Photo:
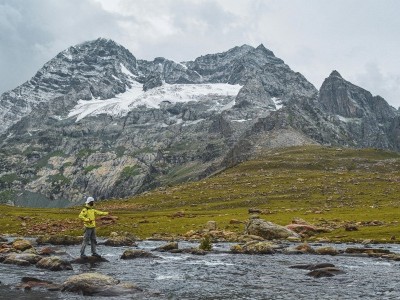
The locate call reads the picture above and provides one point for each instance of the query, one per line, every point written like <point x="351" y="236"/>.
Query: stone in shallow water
<point x="133" y="254"/>
<point x="28" y="283"/>
<point x="312" y="266"/>
<point x="59" y="240"/>
<point x="17" y="258"/>
<point x="89" y="259"/>
<point x="118" y="241"/>
<point x="90" y="284"/>
<point x="21" y="245"/>
<point x="325" y="272"/>
<point x="54" y="263"/>
<point x="167" y="247"/>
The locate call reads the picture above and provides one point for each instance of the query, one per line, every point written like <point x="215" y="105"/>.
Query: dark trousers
<point x="89" y="236"/>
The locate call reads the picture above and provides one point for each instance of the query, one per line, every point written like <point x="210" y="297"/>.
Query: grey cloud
<point x="312" y="36"/>
<point x="33" y="32"/>
<point x="379" y="83"/>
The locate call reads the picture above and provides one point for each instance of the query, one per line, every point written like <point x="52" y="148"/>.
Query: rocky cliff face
<point x="366" y="119"/>
<point x="95" y="120"/>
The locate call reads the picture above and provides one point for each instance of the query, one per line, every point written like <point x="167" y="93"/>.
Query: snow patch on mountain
<point x="122" y="103"/>
<point x="126" y="71"/>
<point x="278" y="103"/>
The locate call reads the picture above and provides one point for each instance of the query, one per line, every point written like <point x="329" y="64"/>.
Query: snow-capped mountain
<point x="96" y="120"/>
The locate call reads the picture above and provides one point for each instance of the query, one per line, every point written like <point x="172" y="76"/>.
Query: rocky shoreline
<point x="267" y="239"/>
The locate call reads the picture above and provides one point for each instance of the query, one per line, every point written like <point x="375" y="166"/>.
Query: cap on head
<point x="89" y="199"/>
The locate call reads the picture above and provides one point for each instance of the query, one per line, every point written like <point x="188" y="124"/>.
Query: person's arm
<point x="100" y="213"/>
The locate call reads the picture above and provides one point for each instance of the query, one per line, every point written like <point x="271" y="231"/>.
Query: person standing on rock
<point x="88" y="215"/>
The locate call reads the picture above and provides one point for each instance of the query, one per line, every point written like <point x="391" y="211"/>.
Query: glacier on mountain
<point x="134" y="96"/>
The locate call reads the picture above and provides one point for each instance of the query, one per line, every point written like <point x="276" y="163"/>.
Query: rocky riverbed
<point x="180" y="271"/>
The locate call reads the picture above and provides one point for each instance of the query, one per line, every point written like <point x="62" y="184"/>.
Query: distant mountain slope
<point x="96" y="120"/>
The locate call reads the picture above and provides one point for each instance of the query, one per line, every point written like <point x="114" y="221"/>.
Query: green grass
<point x="318" y="184"/>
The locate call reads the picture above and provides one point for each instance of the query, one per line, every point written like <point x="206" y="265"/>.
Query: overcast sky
<point x="358" y="38"/>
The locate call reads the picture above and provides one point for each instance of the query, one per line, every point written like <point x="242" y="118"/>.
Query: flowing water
<point x="222" y="276"/>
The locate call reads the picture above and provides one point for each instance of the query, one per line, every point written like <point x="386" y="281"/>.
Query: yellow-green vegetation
<point x="327" y="187"/>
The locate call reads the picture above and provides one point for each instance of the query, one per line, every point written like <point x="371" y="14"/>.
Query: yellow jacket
<point x="88" y="215"/>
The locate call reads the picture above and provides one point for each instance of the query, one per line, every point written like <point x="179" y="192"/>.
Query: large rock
<point x="303" y="229"/>
<point x="255" y="247"/>
<point x="268" y="230"/>
<point x="326" y="251"/>
<point x="89" y="284"/>
<point x="54" y="263"/>
<point x="211" y="225"/>
<point x="21" y="245"/>
<point x="133" y="254"/>
<point x="312" y="266"/>
<point x="59" y="240"/>
<point x="28" y="283"/>
<point x="167" y="247"/>
<point x="325" y="272"/>
<point x="89" y="260"/>
<point x="118" y="241"/>
<point x="22" y="259"/>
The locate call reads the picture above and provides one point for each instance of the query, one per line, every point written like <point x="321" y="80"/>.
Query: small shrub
<point x="58" y="179"/>
<point x="129" y="171"/>
<point x="120" y="151"/>
<point x="8" y="178"/>
<point x="6" y="195"/>
<point x="89" y="169"/>
<point x="84" y="153"/>
<point x="206" y="244"/>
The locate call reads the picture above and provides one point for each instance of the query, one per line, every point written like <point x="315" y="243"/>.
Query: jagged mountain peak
<point x="268" y="52"/>
<point x="335" y="73"/>
<point x="350" y="102"/>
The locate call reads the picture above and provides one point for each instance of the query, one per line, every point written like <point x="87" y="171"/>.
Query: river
<point x="222" y="275"/>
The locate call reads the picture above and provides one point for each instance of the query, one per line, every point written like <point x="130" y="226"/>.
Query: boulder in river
<point x="305" y="248"/>
<point x="370" y="251"/>
<point x="326" y="251"/>
<point x="47" y="251"/>
<point x="133" y="254"/>
<point x="89" y="260"/>
<point x="325" y="272"/>
<point x="59" y="240"/>
<point x="90" y="284"/>
<point x="118" y="241"/>
<point x="22" y="259"/>
<point x="312" y="266"/>
<point x="255" y="247"/>
<point x="54" y="263"/>
<point x="167" y="247"/>
<point x="10" y="260"/>
<point x="28" y="283"/>
<point x="22" y="245"/>
<point x="268" y="230"/>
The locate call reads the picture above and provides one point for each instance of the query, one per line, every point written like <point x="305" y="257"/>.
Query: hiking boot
<point x="83" y="256"/>
<point x="96" y="255"/>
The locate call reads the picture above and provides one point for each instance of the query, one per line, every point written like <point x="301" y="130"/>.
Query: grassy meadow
<point x="327" y="187"/>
